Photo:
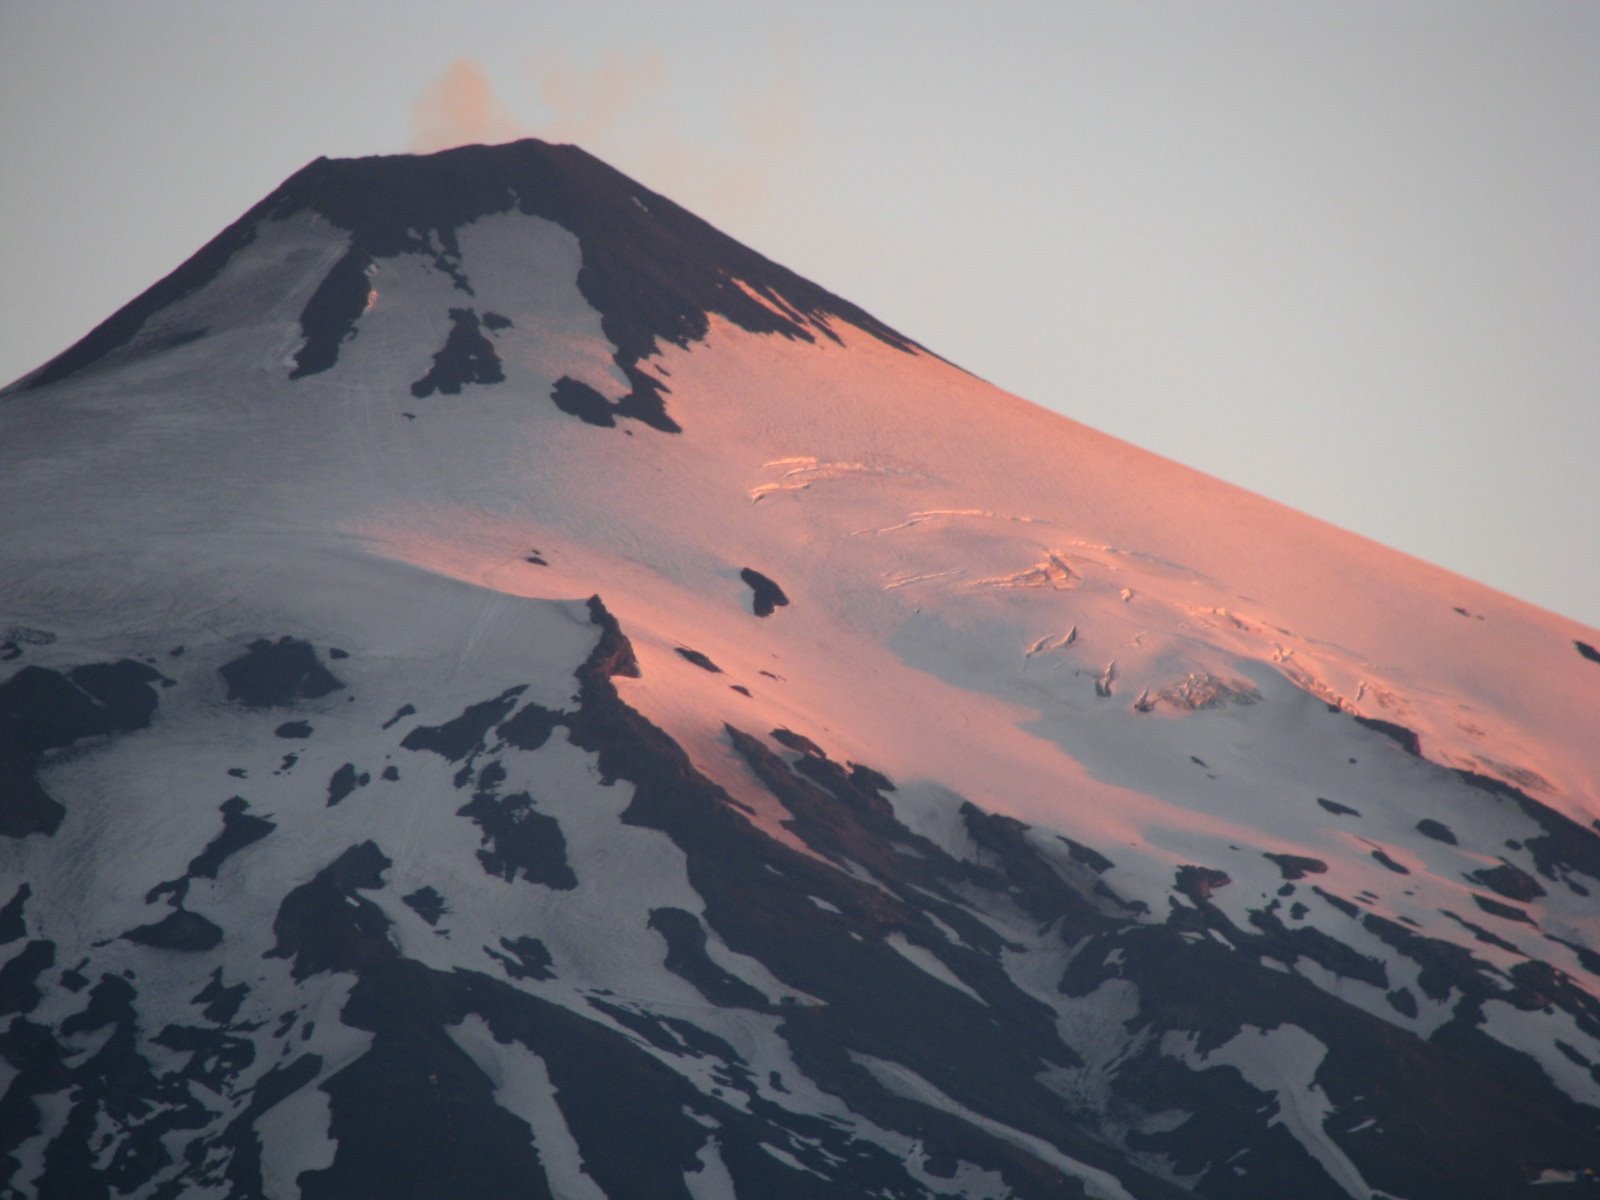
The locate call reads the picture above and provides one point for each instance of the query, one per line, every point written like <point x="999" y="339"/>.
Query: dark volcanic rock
<point x="1033" y="882"/>
<point x="686" y="957"/>
<point x="810" y="948"/>
<point x="520" y="840"/>
<point x="1287" y="945"/>
<point x="239" y="829"/>
<point x="1088" y="856"/>
<point x="525" y="958"/>
<point x="25" y="807"/>
<point x="1402" y="1001"/>
<point x="530" y="727"/>
<point x="1385" y="860"/>
<point x="1563" y="846"/>
<point x="1511" y="882"/>
<point x="1339" y="902"/>
<point x="1297" y="866"/>
<point x="1406" y="739"/>
<point x="179" y="930"/>
<point x="1337" y="809"/>
<point x="1509" y="912"/>
<point x="324" y="925"/>
<point x="1437" y="830"/>
<point x="12" y="926"/>
<point x="466" y="357"/>
<point x="19" y="977"/>
<point x="804" y="980"/>
<point x="768" y="595"/>
<point x="797" y="741"/>
<point x="578" y="399"/>
<point x="278" y="673"/>
<point x="698" y="659"/>
<point x="329" y="317"/>
<point x="426" y="903"/>
<point x="221" y="1002"/>
<point x="405" y="710"/>
<point x="42" y="710"/>
<point x="884" y="958"/>
<point x="344" y="781"/>
<point x="461" y="736"/>
<point x="1198" y="883"/>
<point x="654" y="272"/>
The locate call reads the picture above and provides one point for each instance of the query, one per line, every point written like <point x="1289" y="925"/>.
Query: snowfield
<point x="401" y="794"/>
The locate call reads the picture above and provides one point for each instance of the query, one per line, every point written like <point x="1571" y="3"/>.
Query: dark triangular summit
<point x="653" y="270"/>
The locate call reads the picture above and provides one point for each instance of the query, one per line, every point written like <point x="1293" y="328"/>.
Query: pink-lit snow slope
<point x="987" y="600"/>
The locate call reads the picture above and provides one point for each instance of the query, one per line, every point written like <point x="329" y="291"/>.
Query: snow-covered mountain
<point x="507" y="692"/>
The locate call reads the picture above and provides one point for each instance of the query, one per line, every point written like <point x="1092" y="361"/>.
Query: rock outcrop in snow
<point x="992" y="810"/>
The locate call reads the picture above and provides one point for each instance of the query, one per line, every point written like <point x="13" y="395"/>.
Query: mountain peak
<point x="655" y="272"/>
<point x="838" y="777"/>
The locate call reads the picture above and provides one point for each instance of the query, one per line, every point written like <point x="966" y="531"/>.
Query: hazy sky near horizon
<point x="1343" y="254"/>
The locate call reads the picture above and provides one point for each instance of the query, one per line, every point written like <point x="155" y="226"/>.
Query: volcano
<point x="507" y="692"/>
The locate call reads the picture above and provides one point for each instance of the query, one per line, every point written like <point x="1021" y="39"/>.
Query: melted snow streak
<point x="926" y="1018"/>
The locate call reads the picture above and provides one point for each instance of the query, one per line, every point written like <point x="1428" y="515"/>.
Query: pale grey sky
<point x="1343" y="254"/>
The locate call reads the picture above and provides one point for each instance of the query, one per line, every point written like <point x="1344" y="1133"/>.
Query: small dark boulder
<point x="698" y="659"/>
<point x="1403" y="1002"/>
<point x="180" y="930"/>
<point x="344" y="781"/>
<point x="1511" y="882"/>
<point x="578" y="399"/>
<point x="427" y="903"/>
<point x="1337" y="809"/>
<point x="1386" y="861"/>
<point x="1297" y="866"/>
<point x="1198" y="883"/>
<point x="1437" y="830"/>
<point x="768" y="595"/>
<point x="797" y="741"/>
<point x="1506" y="911"/>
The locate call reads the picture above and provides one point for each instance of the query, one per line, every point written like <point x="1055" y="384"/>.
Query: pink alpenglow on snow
<point x="873" y="783"/>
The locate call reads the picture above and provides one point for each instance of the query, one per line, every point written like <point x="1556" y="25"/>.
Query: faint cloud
<point x="619" y="96"/>
<point x="725" y="158"/>
<point x="458" y="108"/>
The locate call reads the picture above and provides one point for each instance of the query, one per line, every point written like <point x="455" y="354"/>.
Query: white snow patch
<point x="522" y="1086"/>
<point x="787" y="1159"/>
<point x="712" y="1181"/>
<point x="1284" y="1061"/>
<point x="908" y="1084"/>
<point x="1535" y="1033"/>
<point x="295" y="1137"/>
<point x="925" y="960"/>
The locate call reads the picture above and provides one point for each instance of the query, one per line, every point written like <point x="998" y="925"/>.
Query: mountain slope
<point x="510" y="690"/>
